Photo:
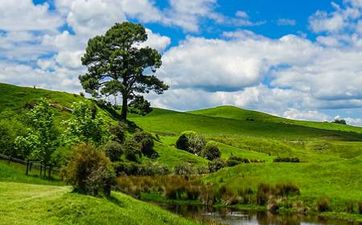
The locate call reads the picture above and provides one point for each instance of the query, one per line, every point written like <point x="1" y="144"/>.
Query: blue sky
<point x="297" y="59"/>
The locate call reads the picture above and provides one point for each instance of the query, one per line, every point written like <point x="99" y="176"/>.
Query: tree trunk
<point x="124" y="108"/>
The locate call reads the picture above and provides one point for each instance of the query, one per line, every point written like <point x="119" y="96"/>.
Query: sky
<point x="296" y="59"/>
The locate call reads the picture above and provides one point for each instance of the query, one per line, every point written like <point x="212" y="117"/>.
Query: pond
<point x="229" y="216"/>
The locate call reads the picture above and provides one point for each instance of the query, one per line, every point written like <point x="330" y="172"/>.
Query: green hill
<point x="330" y="154"/>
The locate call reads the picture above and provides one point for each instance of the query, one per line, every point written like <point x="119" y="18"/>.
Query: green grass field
<point x="27" y="200"/>
<point x="330" y="154"/>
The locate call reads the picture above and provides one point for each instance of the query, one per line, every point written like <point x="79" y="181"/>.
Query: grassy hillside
<point x="43" y="204"/>
<point x="330" y="154"/>
<point x="27" y="200"/>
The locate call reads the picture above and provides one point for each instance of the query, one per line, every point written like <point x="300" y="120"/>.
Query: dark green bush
<point x="89" y="171"/>
<point x="360" y="207"/>
<point x="216" y="165"/>
<point x="287" y="159"/>
<point x="118" y="132"/>
<point x="134" y="169"/>
<point x="191" y="141"/>
<point x="114" y="150"/>
<point x="211" y="151"/>
<point x="146" y="142"/>
<point x="132" y="150"/>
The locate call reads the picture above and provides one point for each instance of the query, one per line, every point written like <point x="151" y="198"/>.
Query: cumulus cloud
<point x="25" y="16"/>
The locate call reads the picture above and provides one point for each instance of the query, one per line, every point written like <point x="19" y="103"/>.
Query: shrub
<point x="113" y="150"/>
<point x="134" y="169"/>
<point x="216" y="165"/>
<point x="360" y="207"/>
<point x="132" y="150"/>
<point x="7" y="138"/>
<point x="89" y="171"/>
<point x="323" y="205"/>
<point x="287" y="159"/>
<point x="146" y="142"/>
<point x="183" y="170"/>
<point x="118" y="133"/>
<point x="349" y="207"/>
<point x="211" y="151"/>
<point x="191" y="141"/>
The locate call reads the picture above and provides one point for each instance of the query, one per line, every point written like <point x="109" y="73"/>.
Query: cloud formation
<point x="290" y="76"/>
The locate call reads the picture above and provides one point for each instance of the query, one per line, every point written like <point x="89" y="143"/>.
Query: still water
<point x="238" y="217"/>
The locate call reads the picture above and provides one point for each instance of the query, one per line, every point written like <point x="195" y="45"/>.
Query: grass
<point x="27" y="204"/>
<point x="14" y="172"/>
<point x="331" y="154"/>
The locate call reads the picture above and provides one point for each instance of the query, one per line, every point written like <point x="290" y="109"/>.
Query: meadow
<point x="330" y="164"/>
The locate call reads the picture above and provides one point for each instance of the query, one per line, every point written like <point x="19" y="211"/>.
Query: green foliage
<point x="146" y="142"/>
<point x="85" y="125"/>
<point x="114" y="150"/>
<point x="211" y="151"/>
<point x="191" y="141"/>
<point x="116" y="64"/>
<point x="41" y="140"/>
<point x="9" y="130"/>
<point x="216" y="165"/>
<point x="140" y="106"/>
<point x="132" y="150"/>
<point x="89" y="171"/>
<point x="118" y="132"/>
<point x="135" y="169"/>
<point x="340" y="121"/>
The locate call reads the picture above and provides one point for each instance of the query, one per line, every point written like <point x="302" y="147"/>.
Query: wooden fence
<point x="44" y="171"/>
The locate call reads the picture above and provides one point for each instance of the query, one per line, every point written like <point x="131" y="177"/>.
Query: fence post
<point x="49" y="172"/>
<point x="27" y="167"/>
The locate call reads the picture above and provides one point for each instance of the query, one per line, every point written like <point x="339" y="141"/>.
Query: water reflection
<point x="238" y="217"/>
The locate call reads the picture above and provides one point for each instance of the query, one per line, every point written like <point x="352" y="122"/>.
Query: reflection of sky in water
<point x="229" y="216"/>
<point x="238" y="218"/>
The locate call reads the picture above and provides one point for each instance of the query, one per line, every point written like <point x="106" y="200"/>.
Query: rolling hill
<point x="330" y="154"/>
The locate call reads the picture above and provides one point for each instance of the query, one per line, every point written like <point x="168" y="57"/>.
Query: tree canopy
<point x="118" y="64"/>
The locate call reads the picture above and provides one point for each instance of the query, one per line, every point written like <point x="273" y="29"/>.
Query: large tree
<point x="118" y="64"/>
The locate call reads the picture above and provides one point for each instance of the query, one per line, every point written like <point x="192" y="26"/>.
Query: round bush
<point x="89" y="171"/>
<point x="118" y="132"/>
<point x="132" y="150"/>
<point x="211" y="151"/>
<point x="191" y="141"/>
<point x="146" y="142"/>
<point x="114" y="150"/>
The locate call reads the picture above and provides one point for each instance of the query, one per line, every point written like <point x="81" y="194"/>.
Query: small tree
<point x="146" y="142"/>
<point x="89" y="171"/>
<point x="41" y="140"/>
<point x="85" y="125"/>
<point x="118" y="65"/>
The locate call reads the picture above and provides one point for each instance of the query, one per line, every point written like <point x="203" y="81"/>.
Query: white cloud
<point x="305" y="115"/>
<point x="23" y="15"/>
